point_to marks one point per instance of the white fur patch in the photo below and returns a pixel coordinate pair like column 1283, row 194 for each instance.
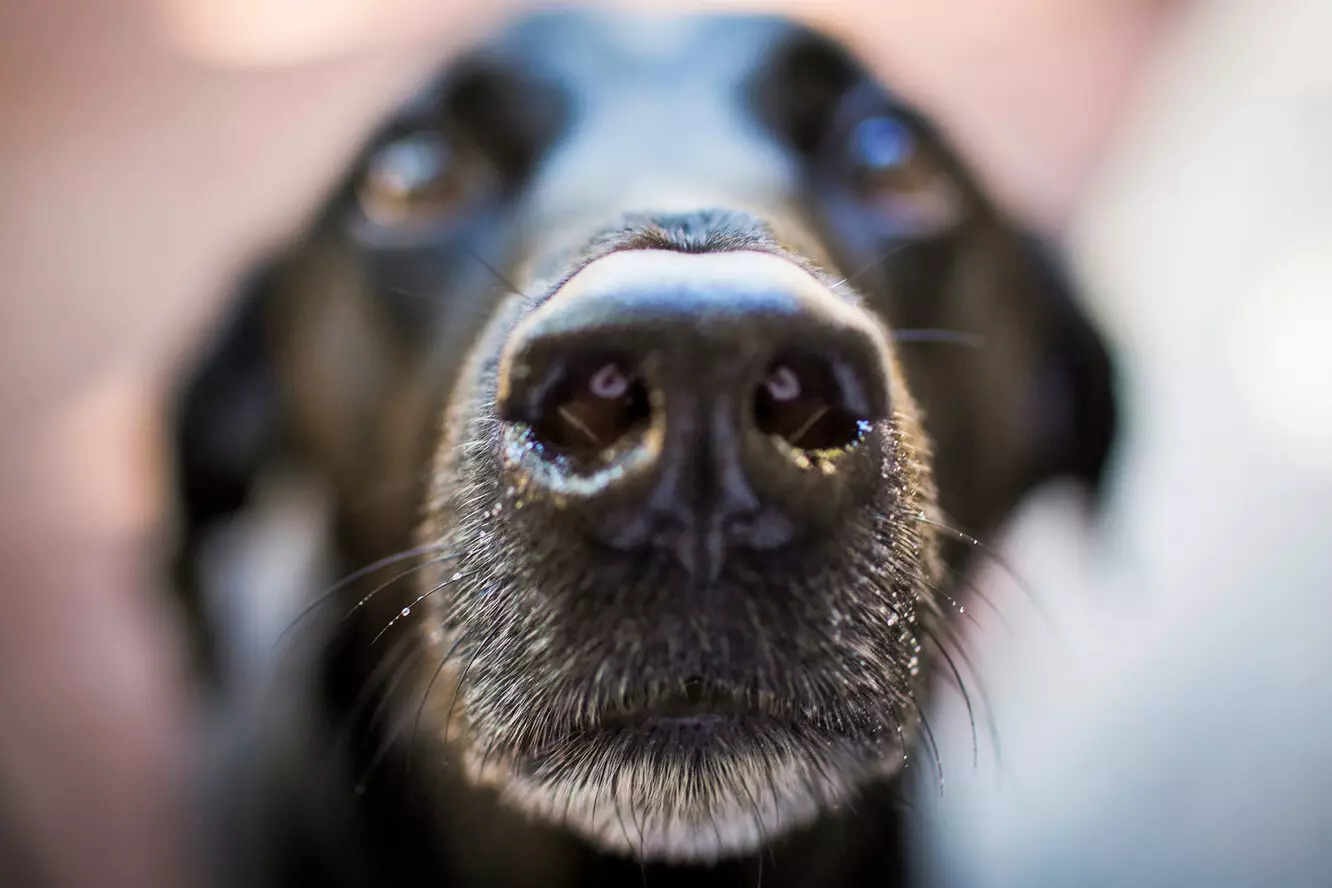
column 657, row 811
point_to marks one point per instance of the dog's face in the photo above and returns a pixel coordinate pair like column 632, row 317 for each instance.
column 673, row 346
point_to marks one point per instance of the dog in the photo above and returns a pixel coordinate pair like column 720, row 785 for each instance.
column 658, row 380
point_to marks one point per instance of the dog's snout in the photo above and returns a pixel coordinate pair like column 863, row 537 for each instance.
column 695, row 402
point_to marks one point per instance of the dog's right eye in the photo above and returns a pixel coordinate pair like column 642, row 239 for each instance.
column 416, row 183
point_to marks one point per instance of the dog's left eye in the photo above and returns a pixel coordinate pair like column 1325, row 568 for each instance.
column 415, row 182
column 899, row 179
column 882, row 145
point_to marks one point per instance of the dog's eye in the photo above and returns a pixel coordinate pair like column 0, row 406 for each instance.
column 898, row 179
column 882, row 145
column 414, row 182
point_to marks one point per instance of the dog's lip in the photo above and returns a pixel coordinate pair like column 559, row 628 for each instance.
column 696, row 703
column 697, row 717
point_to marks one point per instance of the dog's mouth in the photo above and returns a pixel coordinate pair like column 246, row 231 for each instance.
column 698, row 704
column 703, row 714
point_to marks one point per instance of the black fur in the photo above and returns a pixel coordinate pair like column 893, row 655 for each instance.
column 370, row 358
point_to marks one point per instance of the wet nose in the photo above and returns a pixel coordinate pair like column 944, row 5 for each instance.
column 695, row 403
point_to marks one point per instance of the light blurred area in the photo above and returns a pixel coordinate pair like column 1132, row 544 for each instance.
column 1163, row 708
column 1171, row 723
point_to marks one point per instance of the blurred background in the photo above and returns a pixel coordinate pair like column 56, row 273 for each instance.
column 1165, row 716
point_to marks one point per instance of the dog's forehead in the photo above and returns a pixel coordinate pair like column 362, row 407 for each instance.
column 598, row 51
column 663, row 119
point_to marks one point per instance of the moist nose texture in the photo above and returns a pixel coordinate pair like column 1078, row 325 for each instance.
column 736, row 379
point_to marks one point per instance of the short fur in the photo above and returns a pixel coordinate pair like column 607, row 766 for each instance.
column 464, row 714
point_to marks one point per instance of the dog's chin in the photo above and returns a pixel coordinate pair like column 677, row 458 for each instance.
column 686, row 783
column 662, row 720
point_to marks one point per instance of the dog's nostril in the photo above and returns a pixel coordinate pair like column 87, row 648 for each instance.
column 696, row 406
column 802, row 401
column 596, row 402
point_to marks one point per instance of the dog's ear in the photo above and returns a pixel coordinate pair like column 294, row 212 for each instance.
column 304, row 373
column 346, row 364
column 1049, row 369
column 1031, row 399
column 226, row 416
column 226, row 428
column 1075, row 406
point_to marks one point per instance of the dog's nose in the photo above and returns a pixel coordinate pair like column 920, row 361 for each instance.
column 695, row 402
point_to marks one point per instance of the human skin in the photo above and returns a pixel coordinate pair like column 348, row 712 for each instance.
column 149, row 148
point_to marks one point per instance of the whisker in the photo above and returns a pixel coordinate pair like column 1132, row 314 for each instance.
column 504, row 281
column 716, row 829
column 391, row 737
column 763, row 839
column 416, row 723
column 624, row 830
column 389, row 582
column 568, row 806
column 638, row 827
column 986, row 707
column 407, row 611
column 941, row 595
column 387, row 561
column 958, row 642
column 591, row 773
column 772, row 778
column 772, row 786
column 462, row 679
column 396, row 734
column 385, row 669
column 994, row 556
column 870, row 266
column 966, row 697
column 762, row 829
column 817, row 762
column 490, row 749
column 973, row 590
column 930, row 744
column 385, row 698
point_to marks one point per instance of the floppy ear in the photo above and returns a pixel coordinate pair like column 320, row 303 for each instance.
column 1032, row 400
column 226, row 429
column 1074, row 406
column 1042, row 382
column 298, row 373
column 343, row 362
